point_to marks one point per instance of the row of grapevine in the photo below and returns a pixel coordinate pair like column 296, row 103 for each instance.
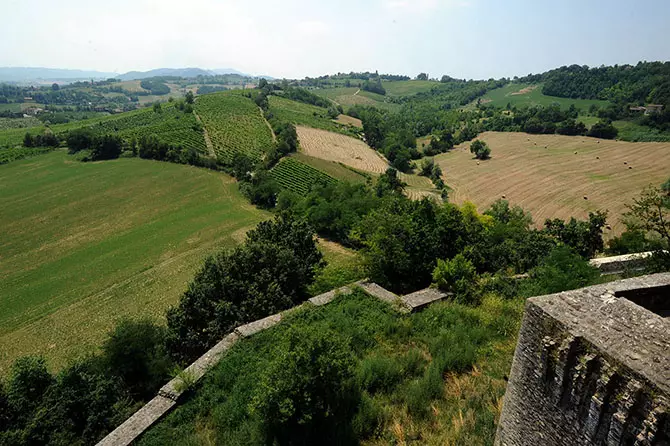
column 298, row 177
column 17, row 153
column 234, row 124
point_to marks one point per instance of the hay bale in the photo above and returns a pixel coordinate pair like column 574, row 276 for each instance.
column 575, row 153
column 585, row 197
column 504, row 197
column 630, row 167
column 597, row 157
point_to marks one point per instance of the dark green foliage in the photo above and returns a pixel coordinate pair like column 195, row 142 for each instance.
column 151, row 147
column 306, row 395
column 305, row 96
column 389, row 183
column 189, row 97
column 631, row 241
column 584, row 237
column 379, row 374
column 134, row 353
column 374, row 86
column 261, row 190
column 156, row 86
column 562, row 270
column 458, row 276
column 47, row 139
column 571, row 127
column 106, row 147
column 28, row 382
column 603, row 130
column 480, row 149
column 80, row 139
column 270, row 272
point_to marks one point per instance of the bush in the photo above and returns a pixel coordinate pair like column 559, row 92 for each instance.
column 134, row 352
column 603, row 130
column 379, row 374
column 370, row 418
column 562, row 270
column 28, row 381
column 457, row 276
column 306, row 395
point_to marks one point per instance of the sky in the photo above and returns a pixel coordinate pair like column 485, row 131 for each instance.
column 470, row 39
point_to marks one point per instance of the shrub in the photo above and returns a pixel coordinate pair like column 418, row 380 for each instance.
column 379, row 374
column 306, row 396
column 457, row 276
column 603, row 130
column 370, row 418
column 562, row 270
column 29, row 380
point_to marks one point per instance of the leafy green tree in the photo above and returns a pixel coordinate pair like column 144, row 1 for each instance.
column 422, row 77
column 457, row 276
column 106, row 147
column 29, row 380
column 134, row 352
column 562, row 270
column 28, row 140
column 189, row 98
column 307, row 395
column 603, row 130
column 651, row 214
column 480, row 149
column 157, row 107
column 80, row 139
column 389, row 183
column 268, row 273
column 584, row 237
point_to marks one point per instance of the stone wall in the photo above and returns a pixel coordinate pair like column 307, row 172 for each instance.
column 168, row 396
column 592, row 367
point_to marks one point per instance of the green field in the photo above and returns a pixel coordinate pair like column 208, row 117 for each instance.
column 500, row 97
column 234, row 124
column 19, row 123
column 170, row 125
column 8, row 155
column 407, row 88
column 349, row 96
column 299, row 113
column 333, row 169
column 85, row 244
column 297, row 177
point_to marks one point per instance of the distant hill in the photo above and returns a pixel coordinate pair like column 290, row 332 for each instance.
column 24, row 74
column 179, row 72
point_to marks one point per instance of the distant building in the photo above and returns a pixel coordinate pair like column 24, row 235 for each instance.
column 648, row 109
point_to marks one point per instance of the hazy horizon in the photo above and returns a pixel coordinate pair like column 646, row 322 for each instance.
column 476, row 39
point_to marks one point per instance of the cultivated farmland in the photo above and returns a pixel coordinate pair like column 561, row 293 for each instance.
column 234, row 124
column 531, row 95
column 85, row 244
column 556, row 176
column 299, row 113
column 297, row 177
column 340, row 148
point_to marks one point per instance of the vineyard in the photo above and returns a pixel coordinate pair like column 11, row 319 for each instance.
column 234, row 124
column 17, row 153
column 298, row 177
column 20, row 123
column 170, row 125
column 303, row 114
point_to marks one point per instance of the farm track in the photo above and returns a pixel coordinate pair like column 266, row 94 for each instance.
column 274, row 137
column 556, row 182
column 208, row 141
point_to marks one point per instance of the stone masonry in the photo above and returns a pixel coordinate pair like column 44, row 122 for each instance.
column 592, row 367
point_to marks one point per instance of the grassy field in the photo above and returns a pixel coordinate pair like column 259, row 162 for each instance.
column 234, row 124
column 554, row 181
column 299, row 113
column 84, row 244
column 407, row 88
column 348, row 96
column 436, row 377
column 530, row 95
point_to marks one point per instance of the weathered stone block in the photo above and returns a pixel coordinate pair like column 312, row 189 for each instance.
column 592, row 367
column 422, row 298
column 252, row 328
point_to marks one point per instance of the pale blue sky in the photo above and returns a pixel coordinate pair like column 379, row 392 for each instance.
column 297, row 38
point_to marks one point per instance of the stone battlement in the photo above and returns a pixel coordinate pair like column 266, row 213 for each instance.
column 592, row 367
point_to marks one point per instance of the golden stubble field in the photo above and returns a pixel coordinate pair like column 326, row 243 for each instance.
column 555, row 176
column 355, row 153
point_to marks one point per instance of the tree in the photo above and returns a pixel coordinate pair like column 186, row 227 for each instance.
column 389, row 183
column 28, row 140
column 270, row 272
column 55, row 87
column 157, row 107
column 584, row 237
column 80, row 139
column 189, row 97
column 307, row 396
column 562, row 270
column 480, row 149
column 28, row 382
column 422, row 77
column 134, row 352
column 603, row 130
column 457, row 276
column 106, row 147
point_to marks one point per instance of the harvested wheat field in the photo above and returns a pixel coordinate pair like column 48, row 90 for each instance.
column 348, row 120
column 340, row 148
column 555, row 176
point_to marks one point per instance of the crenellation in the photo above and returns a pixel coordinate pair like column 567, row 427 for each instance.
column 591, row 368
